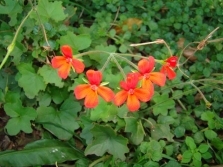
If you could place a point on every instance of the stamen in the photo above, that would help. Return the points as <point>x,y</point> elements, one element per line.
<point>94,87</point>
<point>69,60</point>
<point>131,91</point>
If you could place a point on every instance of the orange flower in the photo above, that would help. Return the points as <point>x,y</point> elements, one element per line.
<point>147,76</point>
<point>167,68</point>
<point>91,91</point>
<point>64,63</point>
<point>132,94</point>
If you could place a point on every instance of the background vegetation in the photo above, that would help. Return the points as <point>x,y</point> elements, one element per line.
<point>43,124</point>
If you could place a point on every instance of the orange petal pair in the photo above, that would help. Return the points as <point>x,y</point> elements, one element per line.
<point>148,77</point>
<point>65,62</point>
<point>167,68</point>
<point>132,94</point>
<point>91,91</point>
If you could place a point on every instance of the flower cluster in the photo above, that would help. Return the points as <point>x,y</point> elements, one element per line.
<point>138,86</point>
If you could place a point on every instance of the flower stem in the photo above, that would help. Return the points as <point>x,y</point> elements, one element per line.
<point>12,45</point>
<point>99,160</point>
<point>208,104</point>
<point>106,63</point>
<point>120,68</point>
<point>91,52</point>
<point>129,62</point>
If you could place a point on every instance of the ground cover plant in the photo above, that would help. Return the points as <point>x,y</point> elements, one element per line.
<point>111,83</point>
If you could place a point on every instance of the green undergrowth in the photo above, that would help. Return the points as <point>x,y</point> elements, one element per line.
<point>45,124</point>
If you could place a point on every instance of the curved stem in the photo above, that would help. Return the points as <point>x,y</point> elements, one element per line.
<point>120,68</point>
<point>99,160</point>
<point>91,52</point>
<point>12,45</point>
<point>129,62</point>
<point>208,104</point>
<point>152,126</point>
<point>106,63</point>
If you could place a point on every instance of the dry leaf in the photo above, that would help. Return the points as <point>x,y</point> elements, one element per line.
<point>129,22</point>
<point>189,54</point>
<point>180,43</point>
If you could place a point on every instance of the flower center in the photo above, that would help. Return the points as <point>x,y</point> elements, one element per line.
<point>131,91</point>
<point>94,87</point>
<point>146,76</point>
<point>69,60</point>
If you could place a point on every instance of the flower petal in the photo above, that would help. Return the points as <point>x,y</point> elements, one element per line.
<point>58,61</point>
<point>158,78</point>
<point>67,51</point>
<point>143,95</point>
<point>81,91</point>
<point>170,73</point>
<point>133,103</point>
<point>120,97</point>
<point>146,66</point>
<point>64,70</point>
<point>94,77</point>
<point>106,93</point>
<point>147,84</point>
<point>172,61</point>
<point>91,100</point>
<point>78,65</point>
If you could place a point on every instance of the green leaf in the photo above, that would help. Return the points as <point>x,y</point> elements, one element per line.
<point>187,155</point>
<point>104,111</point>
<point>20,118</point>
<point>217,143</point>
<point>172,164</point>
<point>102,57</point>
<point>11,8</point>
<point>41,152</point>
<point>134,126</point>
<point>58,95</point>
<point>210,134</point>
<point>77,42</point>
<point>152,149</point>
<point>86,133</point>
<point>60,123</point>
<point>161,131</point>
<point>50,10</point>
<point>206,155</point>
<point>179,131</point>
<point>203,148</point>
<point>106,140</point>
<point>50,75</point>
<point>163,103</point>
<point>44,99</point>
<point>31,82</point>
<point>190,142</point>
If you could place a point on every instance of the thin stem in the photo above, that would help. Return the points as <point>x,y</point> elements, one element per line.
<point>141,44</point>
<point>120,68</point>
<point>41,25</point>
<point>12,45</point>
<point>129,62</point>
<point>178,100</point>
<point>167,47</point>
<point>106,63</point>
<point>152,126</point>
<point>91,52</point>
<point>208,104</point>
<point>99,160</point>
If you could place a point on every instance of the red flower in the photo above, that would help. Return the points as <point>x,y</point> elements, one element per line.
<point>132,94</point>
<point>148,77</point>
<point>64,63</point>
<point>91,91</point>
<point>167,68</point>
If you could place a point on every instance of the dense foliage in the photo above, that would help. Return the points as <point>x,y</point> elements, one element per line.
<point>72,74</point>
